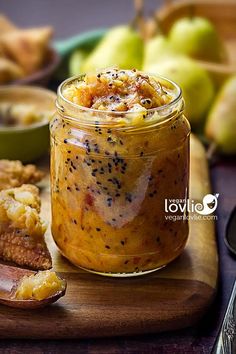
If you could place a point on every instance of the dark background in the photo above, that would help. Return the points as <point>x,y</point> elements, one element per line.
<point>70,17</point>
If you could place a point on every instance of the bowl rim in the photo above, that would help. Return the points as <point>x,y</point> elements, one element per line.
<point>45,91</point>
<point>43,72</point>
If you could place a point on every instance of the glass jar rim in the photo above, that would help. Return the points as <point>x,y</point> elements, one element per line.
<point>117,113</point>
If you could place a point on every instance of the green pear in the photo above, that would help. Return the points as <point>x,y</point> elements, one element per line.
<point>197,87</point>
<point>156,49</point>
<point>121,46</point>
<point>197,37</point>
<point>221,121</point>
<point>76,61</point>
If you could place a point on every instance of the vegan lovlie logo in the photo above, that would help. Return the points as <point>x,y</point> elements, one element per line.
<point>208,205</point>
<point>178,209</point>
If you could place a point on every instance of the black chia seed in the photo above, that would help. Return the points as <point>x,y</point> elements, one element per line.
<point>109,201</point>
<point>128,197</point>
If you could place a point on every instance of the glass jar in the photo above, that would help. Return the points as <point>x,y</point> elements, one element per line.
<point>110,180</point>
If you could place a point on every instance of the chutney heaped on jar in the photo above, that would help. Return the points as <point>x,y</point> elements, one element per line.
<point>119,149</point>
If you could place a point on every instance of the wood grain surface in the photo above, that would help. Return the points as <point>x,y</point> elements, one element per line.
<point>95,306</point>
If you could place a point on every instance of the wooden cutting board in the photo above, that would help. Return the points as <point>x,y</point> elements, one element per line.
<point>94,306</point>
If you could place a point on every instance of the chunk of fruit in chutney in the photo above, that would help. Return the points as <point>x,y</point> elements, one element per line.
<point>118,90</point>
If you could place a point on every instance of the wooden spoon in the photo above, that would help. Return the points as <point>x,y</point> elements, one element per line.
<point>9,278</point>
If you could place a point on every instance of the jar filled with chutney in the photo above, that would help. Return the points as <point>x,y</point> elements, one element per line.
<point>119,150</point>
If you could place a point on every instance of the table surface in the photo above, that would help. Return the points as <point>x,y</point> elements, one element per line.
<point>70,17</point>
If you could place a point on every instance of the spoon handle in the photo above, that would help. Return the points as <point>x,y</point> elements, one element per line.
<point>226,340</point>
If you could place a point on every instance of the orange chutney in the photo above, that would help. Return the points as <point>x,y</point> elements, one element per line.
<point>117,153</point>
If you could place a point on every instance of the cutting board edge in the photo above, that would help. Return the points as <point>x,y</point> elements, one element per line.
<point>195,313</point>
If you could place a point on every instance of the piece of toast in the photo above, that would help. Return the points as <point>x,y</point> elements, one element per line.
<point>21,228</point>
<point>14,174</point>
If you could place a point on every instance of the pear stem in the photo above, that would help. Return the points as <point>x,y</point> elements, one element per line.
<point>191,11</point>
<point>211,153</point>
<point>159,29</point>
<point>168,2</point>
<point>138,21</point>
